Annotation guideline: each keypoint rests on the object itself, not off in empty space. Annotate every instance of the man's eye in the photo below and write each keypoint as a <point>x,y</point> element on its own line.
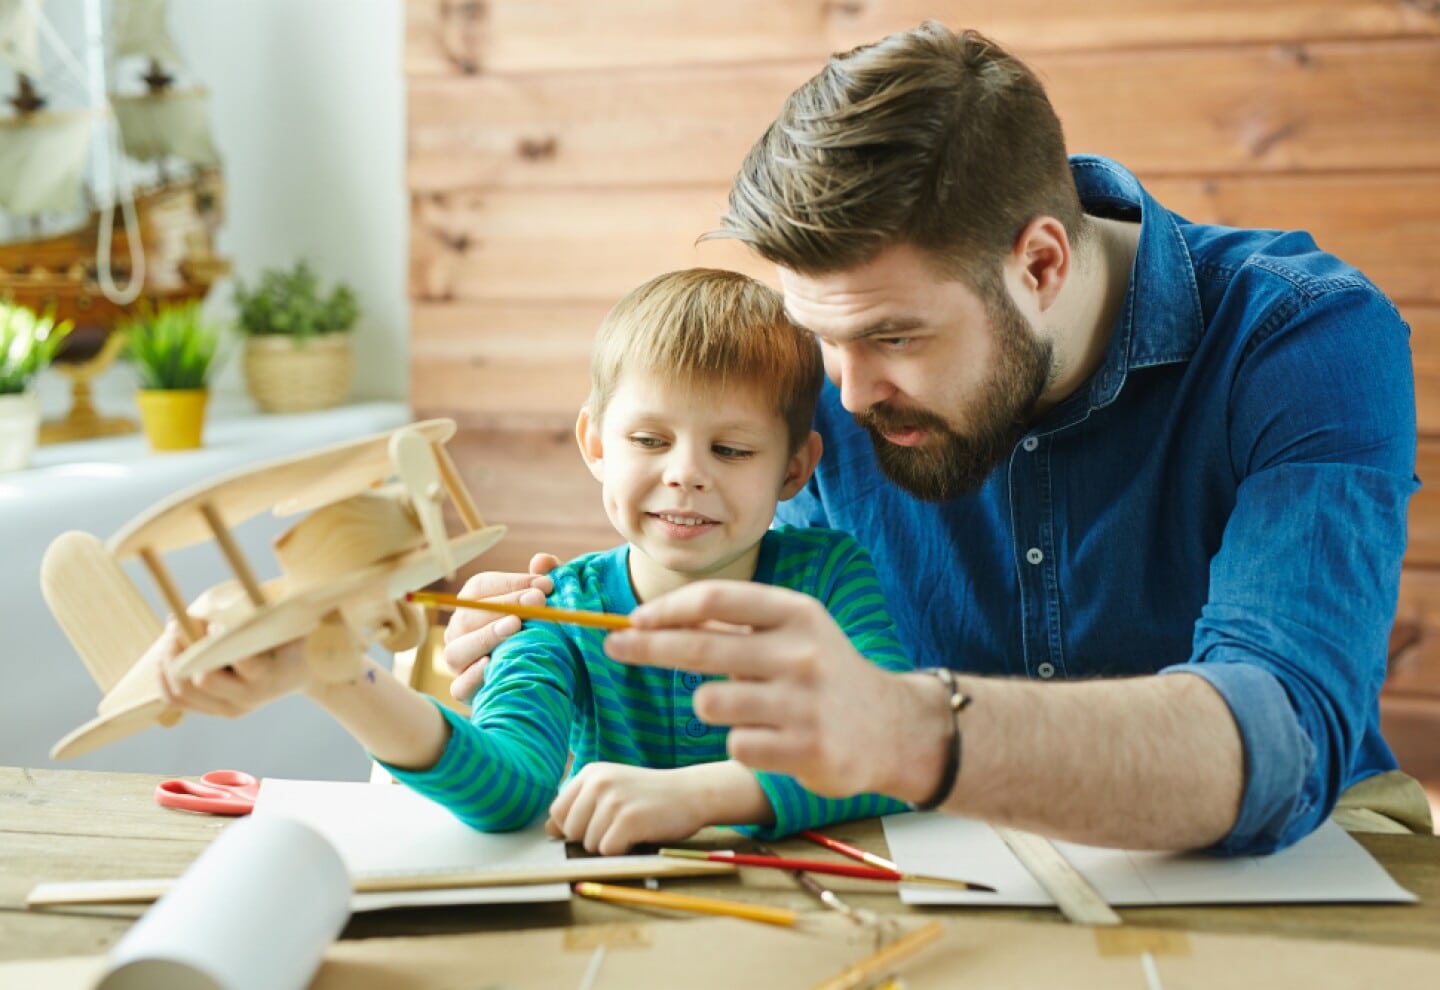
<point>895,343</point>
<point>732,453</point>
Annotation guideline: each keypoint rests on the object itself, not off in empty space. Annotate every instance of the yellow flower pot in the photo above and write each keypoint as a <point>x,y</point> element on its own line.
<point>174,419</point>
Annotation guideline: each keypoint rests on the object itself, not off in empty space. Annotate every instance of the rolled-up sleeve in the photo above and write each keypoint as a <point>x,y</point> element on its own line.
<point>1303,590</point>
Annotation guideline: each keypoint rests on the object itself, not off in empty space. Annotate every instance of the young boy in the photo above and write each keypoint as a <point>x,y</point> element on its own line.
<point>697,424</point>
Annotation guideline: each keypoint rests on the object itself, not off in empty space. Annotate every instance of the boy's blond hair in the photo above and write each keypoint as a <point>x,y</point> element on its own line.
<point>710,328</point>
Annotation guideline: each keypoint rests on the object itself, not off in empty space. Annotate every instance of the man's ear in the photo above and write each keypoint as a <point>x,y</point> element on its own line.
<point>802,465</point>
<point>1041,258</point>
<point>592,447</point>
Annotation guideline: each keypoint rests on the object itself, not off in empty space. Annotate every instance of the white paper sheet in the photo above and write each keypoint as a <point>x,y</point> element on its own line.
<point>255,911</point>
<point>1326,866</point>
<point>382,829</point>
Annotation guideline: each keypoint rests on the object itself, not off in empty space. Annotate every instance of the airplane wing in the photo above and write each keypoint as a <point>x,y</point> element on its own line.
<point>290,484</point>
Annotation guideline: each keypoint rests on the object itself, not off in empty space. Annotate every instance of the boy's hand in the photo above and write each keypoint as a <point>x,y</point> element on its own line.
<point>610,807</point>
<point>238,689</point>
<point>471,635</point>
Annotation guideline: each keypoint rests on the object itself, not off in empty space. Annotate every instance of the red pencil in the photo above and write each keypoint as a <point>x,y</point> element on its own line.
<point>820,866</point>
<point>845,849</point>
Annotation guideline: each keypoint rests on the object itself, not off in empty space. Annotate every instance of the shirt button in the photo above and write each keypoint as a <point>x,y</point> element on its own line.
<point>696,728</point>
<point>1046,670</point>
<point>1030,443</point>
<point>1034,555</point>
<point>691,681</point>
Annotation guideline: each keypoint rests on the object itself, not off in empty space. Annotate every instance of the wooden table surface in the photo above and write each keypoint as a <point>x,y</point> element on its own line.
<point>79,825</point>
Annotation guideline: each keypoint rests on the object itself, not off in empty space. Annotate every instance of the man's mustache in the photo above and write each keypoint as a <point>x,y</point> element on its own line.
<point>881,419</point>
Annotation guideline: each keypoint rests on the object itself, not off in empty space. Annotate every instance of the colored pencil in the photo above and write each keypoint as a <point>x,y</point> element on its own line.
<point>544,613</point>
<point>686,902</point>
<point>863,972</point>
<point>846,849</point>
<point>822,866</point>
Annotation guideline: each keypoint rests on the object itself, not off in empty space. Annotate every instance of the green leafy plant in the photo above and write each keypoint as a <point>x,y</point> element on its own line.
<point>288,302</point>
<point>172,346</point>
<point>28,343</point>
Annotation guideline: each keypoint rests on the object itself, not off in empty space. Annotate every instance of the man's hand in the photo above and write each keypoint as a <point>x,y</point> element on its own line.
<point>801,701</point>
<point>471,635</point>
<point>610,807</point>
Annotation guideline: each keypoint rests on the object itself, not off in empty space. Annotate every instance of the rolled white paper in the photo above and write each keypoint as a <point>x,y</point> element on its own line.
<point>255,911</point>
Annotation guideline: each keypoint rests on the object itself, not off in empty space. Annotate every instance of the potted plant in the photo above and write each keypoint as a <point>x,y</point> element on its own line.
<point>28,343</point>
<point>297,347</point>
<point>174,349</point>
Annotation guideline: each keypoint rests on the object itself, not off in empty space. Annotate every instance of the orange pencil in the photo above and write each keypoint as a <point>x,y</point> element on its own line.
<point>686,902</point>
<point>544,613</point>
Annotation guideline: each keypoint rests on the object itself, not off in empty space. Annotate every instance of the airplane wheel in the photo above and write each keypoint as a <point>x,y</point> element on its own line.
<point>405,630</point>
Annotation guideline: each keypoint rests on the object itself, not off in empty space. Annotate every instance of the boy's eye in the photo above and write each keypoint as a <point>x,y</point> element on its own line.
<point>647,442</point>
<point>732,453</point>
<point>895,343</point>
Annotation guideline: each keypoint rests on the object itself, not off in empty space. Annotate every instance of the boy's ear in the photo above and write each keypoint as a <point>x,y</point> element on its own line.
<point>802,465</point>
<point>592,448</point>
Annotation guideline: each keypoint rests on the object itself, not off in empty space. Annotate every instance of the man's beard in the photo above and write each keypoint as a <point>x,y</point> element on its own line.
<point>949,464</point>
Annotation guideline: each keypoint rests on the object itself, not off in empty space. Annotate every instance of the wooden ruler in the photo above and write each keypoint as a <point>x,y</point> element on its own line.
<point>1075,896</point>
<point>571,870</point>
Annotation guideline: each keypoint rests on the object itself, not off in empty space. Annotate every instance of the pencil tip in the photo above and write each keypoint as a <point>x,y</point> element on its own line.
<point>982,888</point>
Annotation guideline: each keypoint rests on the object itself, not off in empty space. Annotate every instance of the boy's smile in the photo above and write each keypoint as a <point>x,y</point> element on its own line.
<point>691,474</point>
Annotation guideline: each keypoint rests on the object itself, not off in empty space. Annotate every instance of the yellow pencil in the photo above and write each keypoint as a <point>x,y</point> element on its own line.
<point>862,972</point>
<point>600,620</point>
<point>686,902</point>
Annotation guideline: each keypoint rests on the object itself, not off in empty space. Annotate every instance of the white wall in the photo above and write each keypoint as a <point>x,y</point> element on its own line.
<point>308,115</point>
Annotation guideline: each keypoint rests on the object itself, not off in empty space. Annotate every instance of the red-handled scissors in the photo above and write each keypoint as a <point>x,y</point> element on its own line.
<point>219,792</point>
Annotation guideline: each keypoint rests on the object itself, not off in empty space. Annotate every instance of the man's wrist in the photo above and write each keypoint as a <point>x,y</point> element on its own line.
<point>956,702</point>
<point>928,723</point>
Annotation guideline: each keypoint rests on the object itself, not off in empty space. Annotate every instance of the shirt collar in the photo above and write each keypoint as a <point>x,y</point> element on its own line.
<point>1163,323</point>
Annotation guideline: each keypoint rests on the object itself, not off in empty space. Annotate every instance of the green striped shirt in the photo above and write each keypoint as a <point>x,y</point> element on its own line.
<point>550,690</point>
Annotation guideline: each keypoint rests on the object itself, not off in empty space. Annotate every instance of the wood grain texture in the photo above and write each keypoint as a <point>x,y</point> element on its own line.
<point>79,825</point>
<point>1319,107</point>
<point>444,37</point>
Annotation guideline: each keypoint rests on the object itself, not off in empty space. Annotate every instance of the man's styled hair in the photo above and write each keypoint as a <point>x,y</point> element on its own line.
<point>939,140</point>
<point>710,329</point>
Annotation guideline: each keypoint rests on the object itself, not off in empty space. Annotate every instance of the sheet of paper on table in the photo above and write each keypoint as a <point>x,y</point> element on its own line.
<point>1326,866</point>
<point>382,829</point>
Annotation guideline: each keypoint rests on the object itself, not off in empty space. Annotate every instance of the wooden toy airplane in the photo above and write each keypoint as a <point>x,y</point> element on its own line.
<point>345,568</point>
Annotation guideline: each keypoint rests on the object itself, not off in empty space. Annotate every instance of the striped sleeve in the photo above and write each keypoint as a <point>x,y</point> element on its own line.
<point>501,769</point>
<point>846,582</point>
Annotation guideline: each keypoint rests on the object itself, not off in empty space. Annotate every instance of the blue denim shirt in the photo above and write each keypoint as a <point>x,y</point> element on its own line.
<point>1224,497</point>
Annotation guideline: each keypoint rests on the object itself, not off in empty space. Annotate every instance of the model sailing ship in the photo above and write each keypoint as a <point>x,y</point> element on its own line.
<point>70,246</point>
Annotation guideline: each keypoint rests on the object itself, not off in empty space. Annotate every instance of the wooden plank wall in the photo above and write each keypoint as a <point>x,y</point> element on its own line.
<point>562,152</point>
